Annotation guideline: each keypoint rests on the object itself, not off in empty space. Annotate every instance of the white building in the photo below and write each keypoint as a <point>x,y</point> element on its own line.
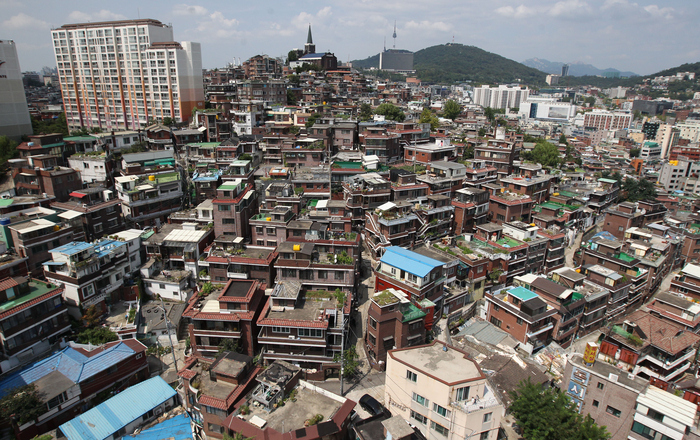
<point>606,120</point>
<point>132,238</point>
<point>120,74</point>
<point>650,151</point>
<point>171,284</point>
<point>14,114</point>
<point>662,415</point>
<point>689,129</point>
<point>503,96</point>
<point>442,391</point>
<point>546,109</point>
<point>680,175</point>
<point>93,167</point>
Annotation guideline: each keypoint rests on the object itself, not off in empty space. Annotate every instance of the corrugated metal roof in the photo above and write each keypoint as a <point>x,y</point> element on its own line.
<point>109,417</point>
<point>74,365</point>
<point>412,262</point>
<point>177,428</point>
<point>485,332</point>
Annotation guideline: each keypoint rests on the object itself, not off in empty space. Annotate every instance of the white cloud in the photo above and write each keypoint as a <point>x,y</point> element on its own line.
<point>184,9</point>
<point>303,19</point>
<point>521,11</point>
<point>569,8</point>
<point>617,3</point>
<point>23,21</point>
<point>660,12</point>
<point>427,25</point>
<point>103,15</point>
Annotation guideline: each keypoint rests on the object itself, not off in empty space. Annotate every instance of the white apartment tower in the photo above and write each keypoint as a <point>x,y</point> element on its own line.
<point>503,96</point>
<point>117,75</point>
<point>14,114</point>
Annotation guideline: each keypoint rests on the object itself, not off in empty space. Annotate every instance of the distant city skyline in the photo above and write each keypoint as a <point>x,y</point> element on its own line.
<point>622,34</point>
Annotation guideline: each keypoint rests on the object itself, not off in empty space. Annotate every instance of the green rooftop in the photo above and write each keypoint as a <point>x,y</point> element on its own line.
<point>412,313</point>
<point>208,145</point>
<point>80,138</point>
<point>348,165</point>
<point>625,257</point>
<point>557,206</point>
<point>37,288</point>
<point>167,177</point>
<point>507,241</point>
<point>384,298</point>
<point>228,186</point>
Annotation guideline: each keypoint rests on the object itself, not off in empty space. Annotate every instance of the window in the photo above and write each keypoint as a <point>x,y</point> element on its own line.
<point>596,403</point>
<point>224,207</point>
<point>647,432</point>
<point>410,375</point>
<point>310,332</point>
<point>276,329</point>
<point>439,428</point>
<point>372,321</point>
<point>339,276</point>
<point>419,417</point>
<point>519,321</point>
<point>484,436</point>
<point>372,339</point>
<point>487,417</point>
<point>613,411</point>
<point>496,322</point>
<point>216,428</point>
<point>601,385</point>
<point>420,400</point>
<point>659,417</point>
<point>162,286</point>
<point>441,410</point>
<point>462,394</point>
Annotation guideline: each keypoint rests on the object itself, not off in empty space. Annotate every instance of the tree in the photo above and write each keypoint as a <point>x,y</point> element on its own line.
<point>311,120</point>
<point>228,344</point>
<point>490,114</point>
<point>92,316</point>
<point>22,404</point>
<point>635,152</point>
<point>637,115</point>
<point>428,117</point>
<point>390,111</point>
<point>351,364</point>
<point>544,413</point>
<point>294,80</point>
<point>365,112</point>
<point>8,149</point>
<point>468,152</point>
<point>97,336</point>
<point>546,154</point>
<point>482,132</point>
<point>636,190</point>
<point>562,139</point>
<point>292,55</point>
<point>291,97</point>
<point>57,125</point>
<point>167,121</point>
<point>452,109</point>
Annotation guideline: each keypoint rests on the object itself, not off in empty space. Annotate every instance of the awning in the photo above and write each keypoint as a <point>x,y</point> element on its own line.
<point>53,263</point>
<point>77,194</point>
<point>70,214</point>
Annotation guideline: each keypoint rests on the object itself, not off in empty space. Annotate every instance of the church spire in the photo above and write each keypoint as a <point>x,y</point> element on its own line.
<point>309,40</point>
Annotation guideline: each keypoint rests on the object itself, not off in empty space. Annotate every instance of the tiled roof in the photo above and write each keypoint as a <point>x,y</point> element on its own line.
<point>28,304</point>
<point>8,283</point>
<point>660,333</point>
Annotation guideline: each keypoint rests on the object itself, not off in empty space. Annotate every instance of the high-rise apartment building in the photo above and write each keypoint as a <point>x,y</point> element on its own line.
<point>606,120</point>
<point>120,74</point>
<point>503,96</point>
<point>14,114</point>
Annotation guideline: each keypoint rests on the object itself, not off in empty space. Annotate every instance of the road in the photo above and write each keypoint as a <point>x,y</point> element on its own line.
<point>571,250</point>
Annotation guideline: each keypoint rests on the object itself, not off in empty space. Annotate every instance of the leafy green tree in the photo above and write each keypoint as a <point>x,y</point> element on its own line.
<point>562,139</point>
<point>351,363</point>
<point>546,154</point>
<point>635,152</point>
<point>637,115</point>
<point>167,121</point>
<point>428,117</point>
<point>468,152</point>
<point>482,132</point>
<point>544,413</point>
<point>390,111</point>
<point>365,112</point>
<point>590,100</point>
<point>57,125</point>
<point>291,97</point>
<point>22,404</point>
<point>452,109</point>
<point>228,344</point>
<point>97,336</point>
<point>294,80</point>
<point>311,120</point>
<point>490,114</point>
<point>292,56</point>
<point>8,149</point>
<point>636,190</point>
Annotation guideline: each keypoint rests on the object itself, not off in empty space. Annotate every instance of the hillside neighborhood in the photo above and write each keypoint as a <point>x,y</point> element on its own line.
<point>301,248</point>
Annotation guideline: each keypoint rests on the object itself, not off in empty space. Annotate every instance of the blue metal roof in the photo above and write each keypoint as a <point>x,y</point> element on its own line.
<point>412,262</point>
<point>71,363</point>
<point>106,246</point>
<point>312,55</point>
<point>109,417</point>
<point>73,247</point>
<point>177,428</point>
<point>522,293</point>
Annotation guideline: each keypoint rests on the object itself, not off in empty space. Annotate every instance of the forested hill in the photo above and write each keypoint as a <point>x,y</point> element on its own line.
<point>449,63</point>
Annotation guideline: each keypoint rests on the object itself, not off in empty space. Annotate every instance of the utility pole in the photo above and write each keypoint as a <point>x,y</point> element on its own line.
<point>170,339</point>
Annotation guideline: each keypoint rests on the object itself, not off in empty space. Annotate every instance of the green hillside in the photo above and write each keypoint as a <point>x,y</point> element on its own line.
<point>456,62</point>
<point>451,63</point>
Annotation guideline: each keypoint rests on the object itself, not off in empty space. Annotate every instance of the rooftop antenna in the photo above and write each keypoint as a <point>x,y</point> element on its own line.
<point>394,36</point>
<point>384,44</point>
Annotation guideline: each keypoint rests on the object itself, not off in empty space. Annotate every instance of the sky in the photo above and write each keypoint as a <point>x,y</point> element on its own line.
<point>643,36</point>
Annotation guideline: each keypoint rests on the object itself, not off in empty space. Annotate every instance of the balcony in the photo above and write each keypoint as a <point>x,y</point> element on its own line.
<point>237,275</point>
<point>540,330</point>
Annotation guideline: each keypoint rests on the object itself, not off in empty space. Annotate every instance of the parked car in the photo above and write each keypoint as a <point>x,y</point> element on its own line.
<point>371,405</point>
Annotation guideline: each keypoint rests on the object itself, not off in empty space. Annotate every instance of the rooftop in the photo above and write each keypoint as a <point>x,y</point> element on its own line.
<point>446,363</point>
<point>36,290</point>
<point>409,261</point>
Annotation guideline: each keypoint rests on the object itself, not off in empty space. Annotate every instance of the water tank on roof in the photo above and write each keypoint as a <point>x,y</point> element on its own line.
<point>152,178</point>
<point>31,144</point>
<point>5,221</point>
<point>297,247</point>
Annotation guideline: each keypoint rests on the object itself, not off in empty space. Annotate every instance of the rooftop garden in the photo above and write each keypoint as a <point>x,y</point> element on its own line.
<point>384,298</point>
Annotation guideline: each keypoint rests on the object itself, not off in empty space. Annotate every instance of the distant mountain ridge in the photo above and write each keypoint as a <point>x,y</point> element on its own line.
<point>575,69</point>
<point>448,63</point>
